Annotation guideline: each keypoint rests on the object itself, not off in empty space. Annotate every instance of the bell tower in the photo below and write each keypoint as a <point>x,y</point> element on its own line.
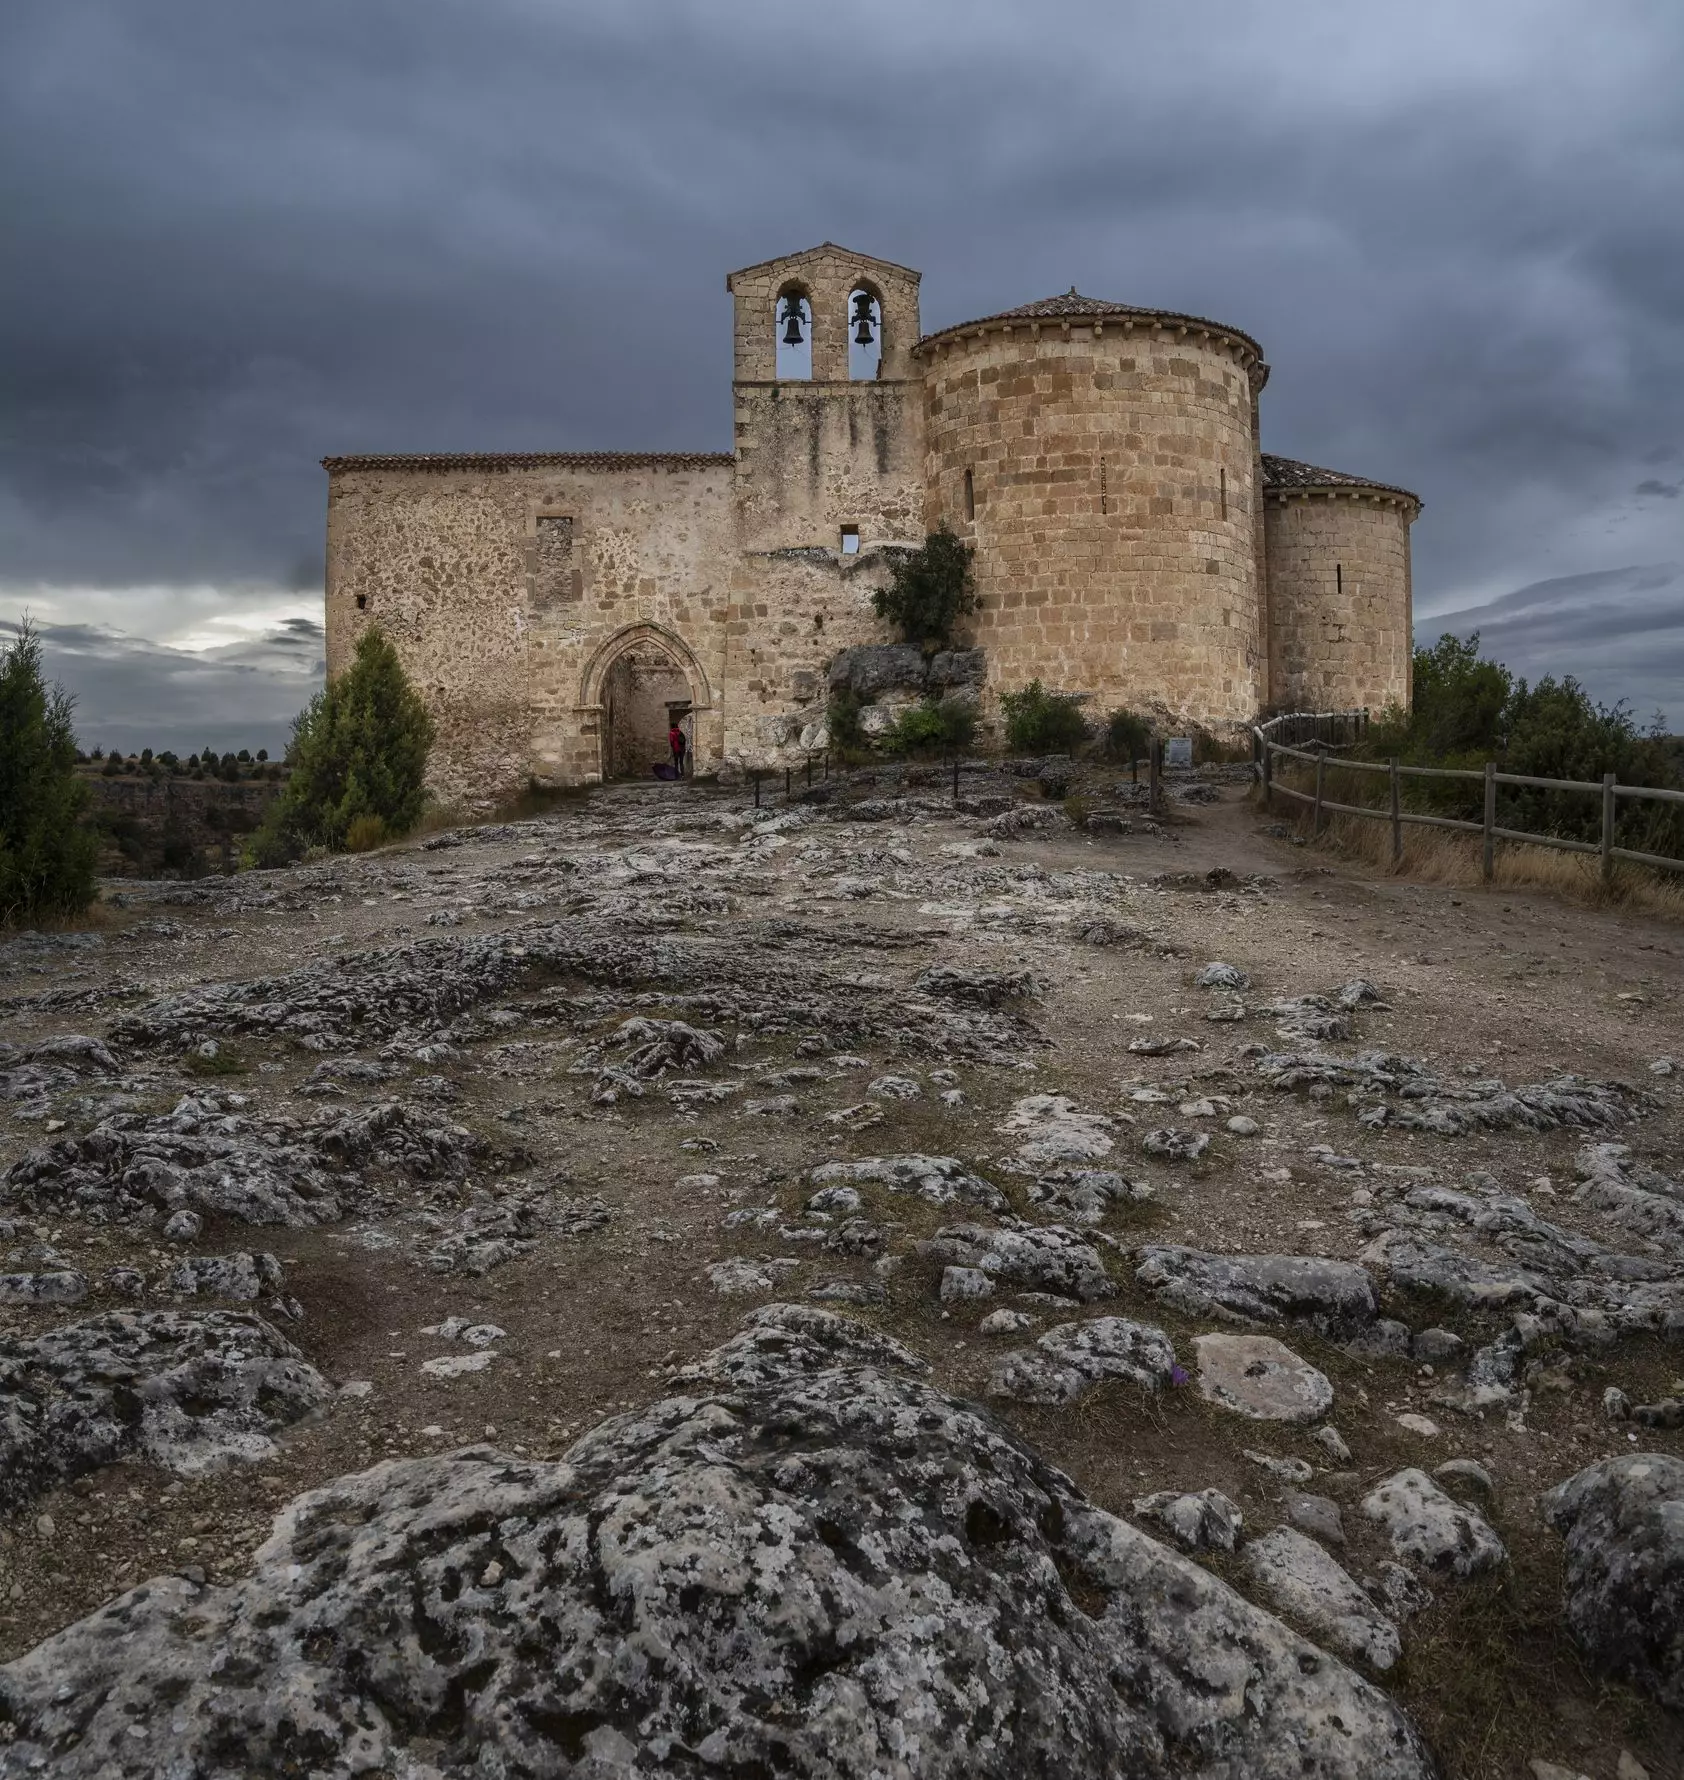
<point>828,401</point>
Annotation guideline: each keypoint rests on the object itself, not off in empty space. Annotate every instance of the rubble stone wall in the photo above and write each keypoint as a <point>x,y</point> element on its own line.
<point>1340,617</point>
<point>508,622</point>
<point>1114,476</point>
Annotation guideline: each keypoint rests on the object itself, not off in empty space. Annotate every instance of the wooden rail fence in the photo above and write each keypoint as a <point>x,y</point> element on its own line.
<point>1303,725</point>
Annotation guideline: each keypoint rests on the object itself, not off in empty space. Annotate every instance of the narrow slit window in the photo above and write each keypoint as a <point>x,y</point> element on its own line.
<point>850,540</point>
<point>1224,493</point>
<point>970,495</point>
<point>865,335</point>
<point>792,316</point>
<point>1339,577</point>
<point>1104,489</point>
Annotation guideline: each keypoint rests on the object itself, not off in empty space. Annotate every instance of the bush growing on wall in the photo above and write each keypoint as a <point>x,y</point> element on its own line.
<point>930,592</point>
<point>1042,722</point>
<point>47,856</point>
<point>358,756</point>
<point>947,726</point>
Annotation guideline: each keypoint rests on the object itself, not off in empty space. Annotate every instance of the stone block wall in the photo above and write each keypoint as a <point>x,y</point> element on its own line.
<point>1340,616</point>
<point>1114,475</point>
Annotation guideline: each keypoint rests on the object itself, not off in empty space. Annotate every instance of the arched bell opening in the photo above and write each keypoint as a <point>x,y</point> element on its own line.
<point>865,334</point>
<point>792,318</point>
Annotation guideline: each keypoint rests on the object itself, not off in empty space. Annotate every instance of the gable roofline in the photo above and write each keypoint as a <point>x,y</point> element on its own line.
<point>807,253</point>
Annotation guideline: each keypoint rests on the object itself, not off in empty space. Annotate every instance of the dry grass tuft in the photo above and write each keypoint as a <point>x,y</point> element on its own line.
<point>1436,856</point>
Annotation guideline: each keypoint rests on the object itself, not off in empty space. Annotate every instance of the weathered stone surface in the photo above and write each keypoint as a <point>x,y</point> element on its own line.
<point>1623,1520</point>
<point>1255,1376</point>
<point>1428,1527</point>
<point>1302,1580</point>
<point>1049,1131</point>
<point>54,1286</point>
<point>1175,1146</point>
<point>187,1391</point>
<point>1086,1195</point>
<point>1069,1360</point>
<point>1047,1258</point>
<point>1644,1201</point>
<point>201,1157</point>
<point>988,988</point>
<point>937,1180</point>
<point>870,669</point>
<point>1333,1297</point>
<point>1202,1520</point>
<point>840,1567</point>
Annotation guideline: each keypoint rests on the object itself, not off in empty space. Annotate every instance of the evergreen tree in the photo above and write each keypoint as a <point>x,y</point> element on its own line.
<point>47,856</point>
<point>359,759</point>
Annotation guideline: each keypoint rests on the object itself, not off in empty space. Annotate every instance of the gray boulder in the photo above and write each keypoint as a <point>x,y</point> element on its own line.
<point>1430,1528</point>
<point>1333,1297</point>
<point>1623,1519</point>
<point>810,1563</point>
<point>956,670</point>
<point>1301,1579</point>
<point>1048,1258</point>
<point>871,669</point>
<point>190,1392</point>
<point>1068,1361</point>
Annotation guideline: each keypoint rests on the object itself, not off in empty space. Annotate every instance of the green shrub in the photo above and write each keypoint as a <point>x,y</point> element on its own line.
<point>842,721</point>
<point>1128,736</point>
<point>47,856</point>
<point>1468,710</point>
<point>359,749</point>
<point>113,764</point>
<point>1042,722</point>
<point>930,592</point>
<point>944,727</point>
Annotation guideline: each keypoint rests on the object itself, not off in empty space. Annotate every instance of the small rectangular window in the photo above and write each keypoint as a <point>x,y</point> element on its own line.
<point>970,495</point>
<point>362,602</point>
<point>850,540</point>
<point>1339,577</point>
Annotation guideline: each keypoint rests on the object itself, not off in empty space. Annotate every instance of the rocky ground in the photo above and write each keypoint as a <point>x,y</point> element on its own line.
<point>872,1286</point>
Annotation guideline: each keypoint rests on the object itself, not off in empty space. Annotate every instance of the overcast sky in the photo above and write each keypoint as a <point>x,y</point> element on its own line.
<point>242,237</point>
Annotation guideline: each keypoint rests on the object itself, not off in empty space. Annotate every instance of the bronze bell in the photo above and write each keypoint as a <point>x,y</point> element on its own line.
<point>862,314</point>
<point>792,320</point>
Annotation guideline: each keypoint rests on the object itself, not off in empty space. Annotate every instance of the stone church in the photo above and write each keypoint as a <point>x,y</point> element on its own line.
<point>1133,542</point>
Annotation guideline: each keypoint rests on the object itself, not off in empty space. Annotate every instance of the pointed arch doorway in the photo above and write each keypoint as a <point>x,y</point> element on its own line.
<point>640,682</point>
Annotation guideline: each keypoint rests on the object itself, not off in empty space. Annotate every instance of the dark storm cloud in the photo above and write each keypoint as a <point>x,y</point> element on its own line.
<point>1616,631</point>
<point>241,238</point>
<point>132,694</point>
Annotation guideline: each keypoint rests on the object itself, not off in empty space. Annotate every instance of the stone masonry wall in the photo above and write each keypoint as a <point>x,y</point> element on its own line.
<point>1115,477</point>
<point>502,615</point>
<point>1340,633</point>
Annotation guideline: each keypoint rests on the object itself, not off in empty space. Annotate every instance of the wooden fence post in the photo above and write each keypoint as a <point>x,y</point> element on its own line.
<point>1268,776</point>
<point>1607,828</point>
<point>1315,821</point>
<point>1490,862</point>
<point>1397,814</point>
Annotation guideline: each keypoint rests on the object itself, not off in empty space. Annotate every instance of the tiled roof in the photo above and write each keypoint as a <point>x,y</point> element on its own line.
<point>534,460</point>
<point>832,247</point>
<point>1287,472</point>
<point>1073,306</point>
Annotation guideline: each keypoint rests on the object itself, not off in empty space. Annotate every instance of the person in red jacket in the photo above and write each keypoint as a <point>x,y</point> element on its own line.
<point>675,741</point>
